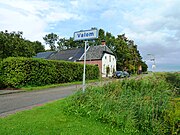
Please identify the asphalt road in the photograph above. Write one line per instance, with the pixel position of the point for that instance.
(14, 102)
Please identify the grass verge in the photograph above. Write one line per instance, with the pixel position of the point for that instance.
(32, 88)
(135, 106)
(52, 120)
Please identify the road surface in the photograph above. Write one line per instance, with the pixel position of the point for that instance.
(11, 103)
(14, 102)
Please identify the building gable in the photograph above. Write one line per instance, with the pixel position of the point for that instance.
(97, 52)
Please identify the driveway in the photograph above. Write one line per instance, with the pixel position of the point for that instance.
(11, 103)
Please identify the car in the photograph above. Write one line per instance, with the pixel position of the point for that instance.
(118, 74)
(126, 74)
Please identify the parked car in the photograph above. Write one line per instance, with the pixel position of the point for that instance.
(118, 74)
(126, 74)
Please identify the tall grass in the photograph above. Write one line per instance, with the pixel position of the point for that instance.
(134, 106)
(174, 80)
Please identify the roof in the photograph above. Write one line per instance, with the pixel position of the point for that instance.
(76, 54)
(97, 52)
(44, 55)
(68, 55)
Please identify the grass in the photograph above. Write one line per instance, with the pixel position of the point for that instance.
(148, 105)
(32, 88)
(52, 120)
(139, 106)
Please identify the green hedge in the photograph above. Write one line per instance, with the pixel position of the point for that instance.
(18, 71)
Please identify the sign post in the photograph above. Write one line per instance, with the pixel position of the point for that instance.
(85, 35)
(84, 72)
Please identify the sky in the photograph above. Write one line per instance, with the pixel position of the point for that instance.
(154, 25)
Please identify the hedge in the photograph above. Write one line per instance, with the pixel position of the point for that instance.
(19, 71)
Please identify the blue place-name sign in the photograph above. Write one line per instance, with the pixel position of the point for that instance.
(86, 34)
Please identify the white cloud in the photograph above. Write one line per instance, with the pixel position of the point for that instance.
(153, 24)
(33, 17)
(155, 28)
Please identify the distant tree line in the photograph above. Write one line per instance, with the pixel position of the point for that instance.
(125, 50)
(12, 44)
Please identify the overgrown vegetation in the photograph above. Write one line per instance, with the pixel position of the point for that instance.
(142, 106)
(18, 71)
(174, 80)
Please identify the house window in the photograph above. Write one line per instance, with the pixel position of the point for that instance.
(105, 58)
(109, 58)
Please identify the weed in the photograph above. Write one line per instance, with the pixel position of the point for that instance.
(134, 106)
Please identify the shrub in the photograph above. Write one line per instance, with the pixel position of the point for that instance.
(19, 71)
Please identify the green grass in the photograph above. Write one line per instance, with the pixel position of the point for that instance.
(32, 88)
(147, 105)
(52, 120)
(135, 106)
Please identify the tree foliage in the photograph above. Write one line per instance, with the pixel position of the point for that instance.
(51, 39)
(13, 45)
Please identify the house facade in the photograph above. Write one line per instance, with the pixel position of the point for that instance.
(108, 61)
(99, 55)
(103, 57)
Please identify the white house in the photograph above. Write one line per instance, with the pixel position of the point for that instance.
(102, 56)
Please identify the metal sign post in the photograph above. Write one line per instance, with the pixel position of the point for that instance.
(84, 72)
(85, 35)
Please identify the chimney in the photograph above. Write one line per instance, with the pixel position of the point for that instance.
(103, 42)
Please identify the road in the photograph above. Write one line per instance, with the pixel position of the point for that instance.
(12, 103)
(15, 102)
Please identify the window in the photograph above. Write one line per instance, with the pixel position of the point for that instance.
(105, 58)
(109, 58)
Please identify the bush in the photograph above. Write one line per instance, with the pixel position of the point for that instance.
(135, 106)
(18, 71)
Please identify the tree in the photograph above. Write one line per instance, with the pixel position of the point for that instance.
(38, 47)
(144, 66)
(13, 45)
(50, 39)
(101, 36)
(110, 40)
(61, 44)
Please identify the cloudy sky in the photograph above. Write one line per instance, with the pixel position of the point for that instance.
(154, 25)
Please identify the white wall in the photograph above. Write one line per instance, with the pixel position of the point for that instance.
(108, 60)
